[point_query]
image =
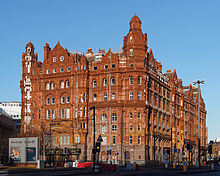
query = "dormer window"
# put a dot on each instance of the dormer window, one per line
(131, 52)
(61, 58)
(54, 59)
(131, 39)
(132, 25)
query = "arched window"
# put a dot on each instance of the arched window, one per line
(114, 117)
(130, 80)
(131, 39)
(52, 85)
(62, 100)
(47, 86)
(48, 101)
(112, 81)
(94, 83)
(53, 100)
(131, 52)
(62, 85)
(139, 80)
(105, 82)
(67, 84)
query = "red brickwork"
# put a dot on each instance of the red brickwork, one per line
(123, 87)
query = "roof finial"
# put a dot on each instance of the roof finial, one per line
(135, 14)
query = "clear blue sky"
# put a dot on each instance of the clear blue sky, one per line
(184, 35)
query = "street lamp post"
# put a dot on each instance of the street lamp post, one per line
(94, 153)
(194, 83)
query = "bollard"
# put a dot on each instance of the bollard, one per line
(212, 166)
(174, 165)
(184, 166)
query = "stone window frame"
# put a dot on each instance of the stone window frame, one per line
(139, 80)
(61, 58)
(48, 101)
(131, 80)
(105, 82)
(139, 139)
(68, 99)
(62, 100)
(114, 117)
(52, 100)
(105, 96)
(47, 86)
(113, 139)
(130, 127)
(52, 85)
(114, 127)
(113, 95)
(62, 84)
(113, 81)
(139, 95)
(130, 139)
(94, 97)
(94, 83)
(54, 59)
(130, 95)
(131, 52)
(67, 84)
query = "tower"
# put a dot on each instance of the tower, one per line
(28, 60)
(135, 42)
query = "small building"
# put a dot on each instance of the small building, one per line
(13, 108)
(7, 130)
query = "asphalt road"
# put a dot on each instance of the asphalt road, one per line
(123, 172)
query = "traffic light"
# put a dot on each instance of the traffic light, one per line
(210, 149)
(188, 145)
(168, 151)
(98, 146)
(66, 151)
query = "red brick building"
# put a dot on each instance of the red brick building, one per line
(136, 104)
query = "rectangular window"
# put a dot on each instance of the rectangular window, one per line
(60, 140)
(94, 97)
(53, 114)
(95, 67)
(64, 139)
(61, 69)
(114, 127)
(139, 127)
(48, 114)
(113, 95)
(139, 115)
(139, 95)
(68, 69)
(105, 96)
(68, 139)
(53, 140)
(62, 99)
(113, 65)
(84, 112)
(106, 66)
(113, 140)
(139, 139)
(130, 95)
(54, 70)
(47, 71)
(62, 113)
(130, 139)
(130, 127)
(67, 113)
(67, 99)
(130, 115)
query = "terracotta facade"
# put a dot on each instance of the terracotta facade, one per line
(136, 104)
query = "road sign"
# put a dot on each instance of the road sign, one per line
(100, 139)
